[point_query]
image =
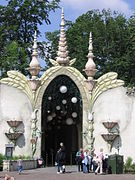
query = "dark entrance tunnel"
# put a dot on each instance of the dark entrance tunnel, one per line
(61, 119)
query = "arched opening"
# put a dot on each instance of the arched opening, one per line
(61, 119)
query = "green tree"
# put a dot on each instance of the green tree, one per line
(11, 58)
(52, 45)
(113, 47)
(18, 21)
(131, 49)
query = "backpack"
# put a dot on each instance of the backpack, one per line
(82, 156)
(61, 156)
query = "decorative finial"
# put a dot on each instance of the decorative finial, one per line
(35, 44)
(90, 46)
(90, 67)
(34, 64)
(62, 17)
(62, 54)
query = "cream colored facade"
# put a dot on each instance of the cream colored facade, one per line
(113, 105)
(108, 113)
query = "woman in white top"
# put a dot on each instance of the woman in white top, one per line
(100, 162)
(85, 161)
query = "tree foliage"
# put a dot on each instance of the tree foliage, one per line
(113, 43)
(18, 21)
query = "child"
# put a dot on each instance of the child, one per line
(19, 165)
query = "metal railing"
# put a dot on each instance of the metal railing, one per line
(50, 159)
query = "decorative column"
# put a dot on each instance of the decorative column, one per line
(90, 70)
(34, 66)
(90, 67)
(91, 129)
(34, 83)
(34, 130)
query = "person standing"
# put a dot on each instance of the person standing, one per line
(19, 165)
(89, 166)
(61, 159)
(100, 162)
(85, 161)
(105, 163)
(95, 162)
(57, 161)
(79, 159)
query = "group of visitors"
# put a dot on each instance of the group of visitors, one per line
(90, 162)
(86, 161)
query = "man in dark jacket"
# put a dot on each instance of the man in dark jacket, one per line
(63, 156)
(79, 158)
(61, 159)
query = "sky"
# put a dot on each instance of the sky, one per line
(75, 8)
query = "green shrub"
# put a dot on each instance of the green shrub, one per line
(128, 162)
(26, 157)
(15, 158)
(129, 167)
(2, 157)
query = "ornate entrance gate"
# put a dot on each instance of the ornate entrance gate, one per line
(61, 119)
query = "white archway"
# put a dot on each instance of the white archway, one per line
(79, 80)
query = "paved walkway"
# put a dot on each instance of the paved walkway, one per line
(71, 174)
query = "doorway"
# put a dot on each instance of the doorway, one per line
(61, 119)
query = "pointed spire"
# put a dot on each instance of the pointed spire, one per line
(62, 18)
(35, 44)
(90, 54)
(90, 67)
(62, 54)
(34, 64)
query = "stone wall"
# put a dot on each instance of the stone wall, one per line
(9, 165)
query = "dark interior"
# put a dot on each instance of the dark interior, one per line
(61, 116)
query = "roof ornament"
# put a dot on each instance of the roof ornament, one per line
(90, 67)
(34, 64)
(62, 54)
(34, 67)
(62, 58)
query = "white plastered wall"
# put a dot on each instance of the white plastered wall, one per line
(112, 105)
(115, 105)
(15, 105)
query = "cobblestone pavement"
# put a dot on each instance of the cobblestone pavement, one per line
(71, 174)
